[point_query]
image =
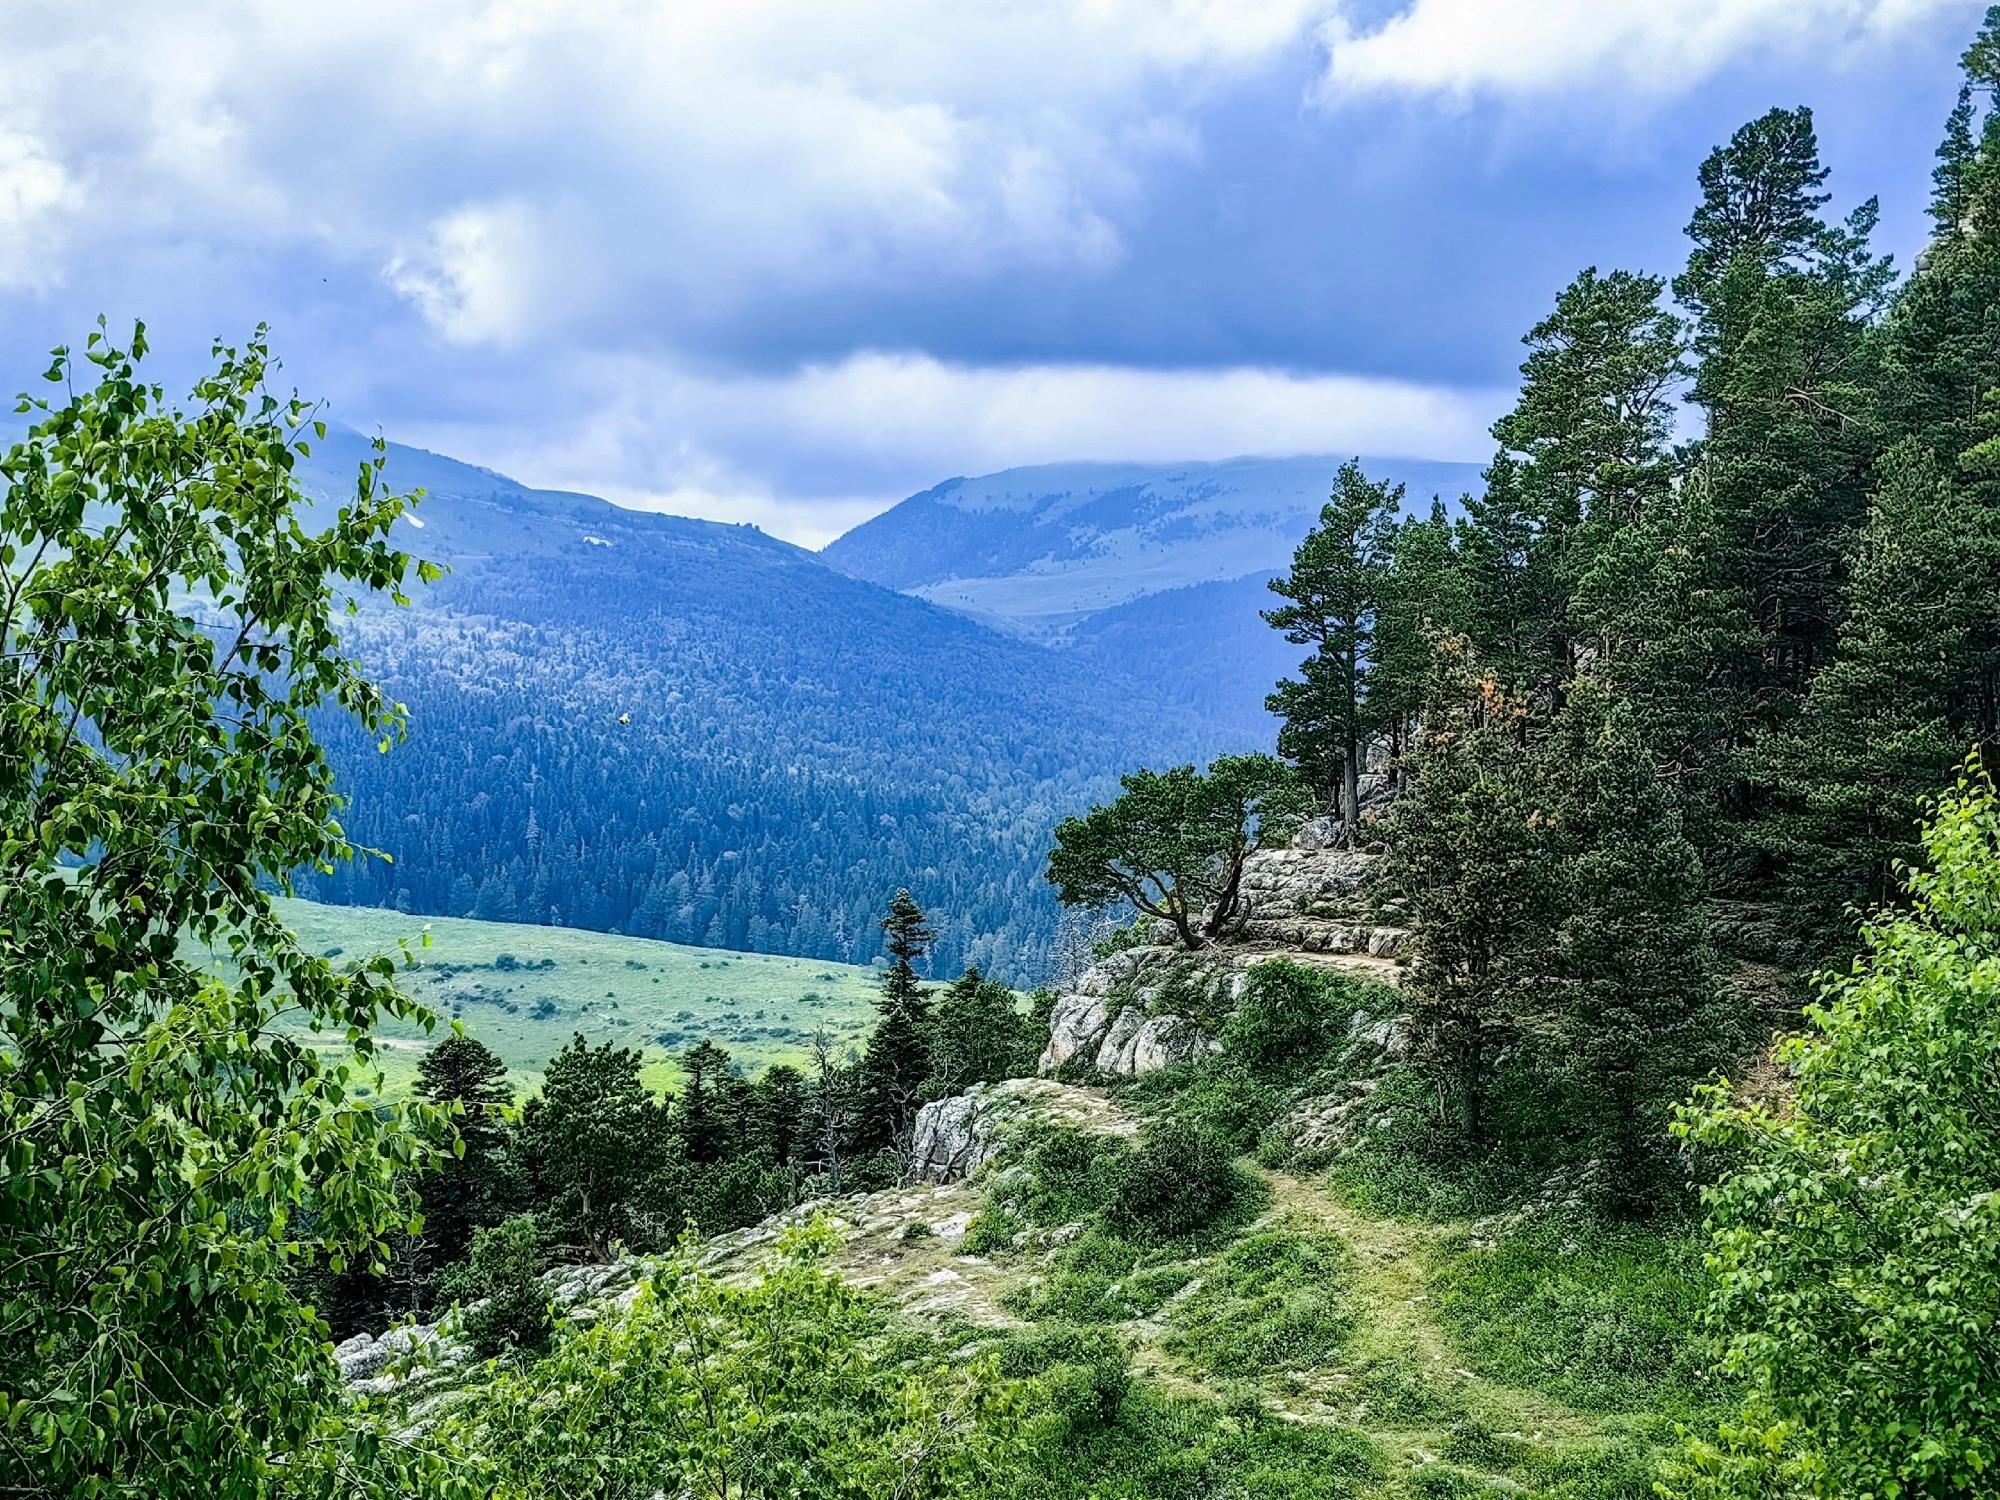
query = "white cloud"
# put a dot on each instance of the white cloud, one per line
(668, 439)
(36, 195)
(523, 168)
(478, 276)
(1654, 48)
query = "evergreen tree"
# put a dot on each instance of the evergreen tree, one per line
(1588, 443)
(1913, 688)
(701, 1113)
(1173, 842)
(781, 1113)
(1783, 300)
(897, 1061)
(1636, 992)
(1468, 850)
(593, 1137)
(1423, 598)
(978, 1035)
(481, 1184)
(1333, 591)
(1512, 596)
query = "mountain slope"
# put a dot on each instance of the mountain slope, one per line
(685, 730)
(1043, 547)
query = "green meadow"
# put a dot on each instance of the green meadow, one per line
(524, 991)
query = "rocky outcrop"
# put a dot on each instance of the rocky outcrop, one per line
(1157, 1005)
(1319, 1127)
(953, 1138)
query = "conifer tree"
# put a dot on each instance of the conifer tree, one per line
(1782, 301)
(1468, 850)
(593, 1137)
(978, 1035)
(1636, 993)
(1422, 598)
(481, 1184)
(897, 1061)
(1333, 591)
(1913, 688)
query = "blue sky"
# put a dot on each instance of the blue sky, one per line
(787, 262)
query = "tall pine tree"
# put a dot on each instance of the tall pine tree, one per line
(898, 1059)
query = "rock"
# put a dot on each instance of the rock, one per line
(1167, 1041)
(1077, 1025)
(1114, 1054)
(955, 1137)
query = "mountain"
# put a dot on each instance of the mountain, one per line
(693, 731)
(1154, 569)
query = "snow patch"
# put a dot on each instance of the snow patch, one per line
(416, 521)
(595, 541)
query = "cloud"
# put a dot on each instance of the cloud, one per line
(475, 277)
(36, 194)
(810, 453)
(1652, 48)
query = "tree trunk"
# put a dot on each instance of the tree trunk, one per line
(1352, 791)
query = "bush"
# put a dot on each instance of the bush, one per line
(1179, 1180)
(1292, 1017)
(504, 1268)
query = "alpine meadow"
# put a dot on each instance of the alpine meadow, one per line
(1353, 911)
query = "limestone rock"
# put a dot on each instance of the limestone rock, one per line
(953, 1138)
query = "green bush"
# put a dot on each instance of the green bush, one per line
(1292, 1017)
(505, 1269)
(1276, 1301)
(1100, 1278)
(1180, 1180)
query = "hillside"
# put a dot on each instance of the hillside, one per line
(1153, 570)
(1042, 547)
(678, 729)
(524, 991)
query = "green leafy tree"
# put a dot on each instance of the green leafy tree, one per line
(897, 1061)
(1332, 593)
(1174, 842)
(729, 1391)
(593, 1137)
(1854, 1228)
(1468, 850)
(169, 1154)
(1635, 999)
(978, 1035)
(781, 1113)
(478, 1183)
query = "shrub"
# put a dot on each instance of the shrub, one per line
(506, 963)
(917, 1230)
(504, 1268)
(1179, 1180)
(1291, 1017)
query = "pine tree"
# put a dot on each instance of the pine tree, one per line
(701, 1116)
(1467, 849)
(593, 1138)
(1333, 591)
(1913, 688)
(481, 1185)
(978, 1035)
(1512, 595)
(1783, 300)
(1636, 987)
(897, 1061)
(1422, 598)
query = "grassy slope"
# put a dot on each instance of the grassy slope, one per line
(1454, 1360)
(640, 993)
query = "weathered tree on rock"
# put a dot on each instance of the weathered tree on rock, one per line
(1173, 844)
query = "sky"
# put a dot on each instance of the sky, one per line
(786, 262)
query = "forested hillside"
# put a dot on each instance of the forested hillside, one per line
(684, 730)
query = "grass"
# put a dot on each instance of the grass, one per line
(524, 991)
